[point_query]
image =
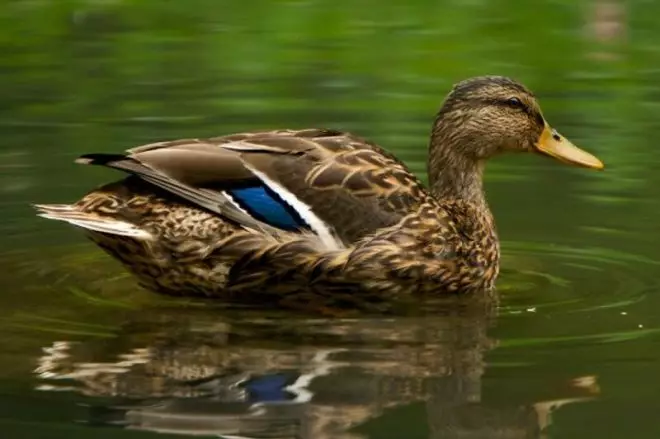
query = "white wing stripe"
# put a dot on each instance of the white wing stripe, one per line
(319, 227)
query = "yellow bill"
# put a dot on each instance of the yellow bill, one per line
(551, 143)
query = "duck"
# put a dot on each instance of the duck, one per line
(317, 217)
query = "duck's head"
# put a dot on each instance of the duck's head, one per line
(484, 116)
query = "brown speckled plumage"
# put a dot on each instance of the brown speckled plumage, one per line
(171, 223)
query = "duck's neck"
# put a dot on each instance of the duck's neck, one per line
(454, 177)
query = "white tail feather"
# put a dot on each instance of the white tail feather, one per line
(69, 214)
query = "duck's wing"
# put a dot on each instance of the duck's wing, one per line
(332, 183)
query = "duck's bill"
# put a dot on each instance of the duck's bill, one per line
(553, 144)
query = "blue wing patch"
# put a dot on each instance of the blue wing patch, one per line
(269, 388)
(265, 205)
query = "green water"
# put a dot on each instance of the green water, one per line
(574, 347)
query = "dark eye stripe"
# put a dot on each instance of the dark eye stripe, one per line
(518, 104)
(506, 102)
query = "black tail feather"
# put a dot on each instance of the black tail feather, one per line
(101, 159)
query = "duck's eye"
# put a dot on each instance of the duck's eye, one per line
(515, 102)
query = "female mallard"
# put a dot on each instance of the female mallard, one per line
(317, 214)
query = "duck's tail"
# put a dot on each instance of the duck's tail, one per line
(90, 221)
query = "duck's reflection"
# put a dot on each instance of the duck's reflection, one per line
(242, 375)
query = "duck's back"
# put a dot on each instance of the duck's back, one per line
(284, 179)
(185, 199)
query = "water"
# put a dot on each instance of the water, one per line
(573, 349)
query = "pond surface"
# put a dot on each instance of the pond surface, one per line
(572, 351)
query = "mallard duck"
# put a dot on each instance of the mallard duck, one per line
(317, 215)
